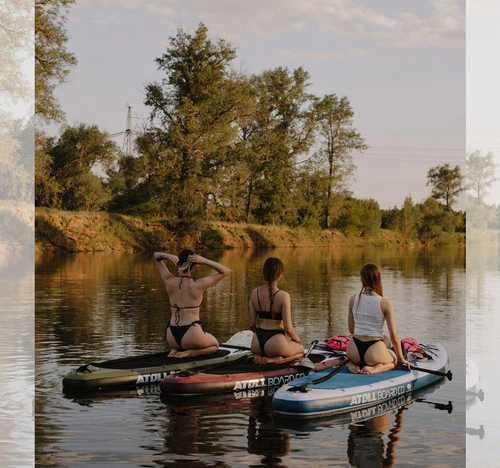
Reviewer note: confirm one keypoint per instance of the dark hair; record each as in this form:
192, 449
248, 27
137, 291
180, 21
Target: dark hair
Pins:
183, 256
370, 278
273, 268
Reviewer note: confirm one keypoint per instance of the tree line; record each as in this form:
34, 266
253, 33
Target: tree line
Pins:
220, 145
481, 176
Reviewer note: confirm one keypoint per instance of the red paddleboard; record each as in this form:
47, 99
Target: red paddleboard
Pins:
243, 376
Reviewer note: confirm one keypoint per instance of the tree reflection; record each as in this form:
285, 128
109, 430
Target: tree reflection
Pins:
264, 438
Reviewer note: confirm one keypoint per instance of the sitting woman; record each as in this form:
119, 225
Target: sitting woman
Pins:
271, 317
185, 334
368, 311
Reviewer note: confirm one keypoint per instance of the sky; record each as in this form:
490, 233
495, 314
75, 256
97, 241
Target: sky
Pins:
401, 64
483, 78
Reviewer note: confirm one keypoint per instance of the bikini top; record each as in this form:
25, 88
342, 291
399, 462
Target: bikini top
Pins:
268, 314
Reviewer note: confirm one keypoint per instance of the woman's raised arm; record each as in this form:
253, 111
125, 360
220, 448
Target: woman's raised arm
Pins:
165, 273
221, 271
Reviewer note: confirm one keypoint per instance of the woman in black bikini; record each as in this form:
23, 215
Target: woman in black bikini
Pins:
271, 317
368, 311
185, 334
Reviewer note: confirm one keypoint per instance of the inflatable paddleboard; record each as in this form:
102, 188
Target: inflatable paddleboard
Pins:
346, 392
138, 371
244, 377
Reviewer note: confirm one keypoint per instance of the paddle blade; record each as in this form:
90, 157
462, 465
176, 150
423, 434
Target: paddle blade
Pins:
306, 363
311, 347
242, 338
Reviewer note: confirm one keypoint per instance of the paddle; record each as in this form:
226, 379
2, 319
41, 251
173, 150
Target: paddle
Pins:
479, 432
240, 340
305, 362
448, 374
440, 406
479, 394
305, 387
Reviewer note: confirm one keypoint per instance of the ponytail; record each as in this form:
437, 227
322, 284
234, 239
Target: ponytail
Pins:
273, 268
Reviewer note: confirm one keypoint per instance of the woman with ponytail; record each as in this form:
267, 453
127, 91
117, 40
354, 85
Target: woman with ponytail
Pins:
271, 316
368, 312
185, 334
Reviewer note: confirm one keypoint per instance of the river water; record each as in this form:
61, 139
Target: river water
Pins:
483, 341
16, 362
95, 307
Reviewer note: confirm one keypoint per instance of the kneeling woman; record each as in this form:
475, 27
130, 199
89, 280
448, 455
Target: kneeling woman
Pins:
368, 311
185, 334
271, 316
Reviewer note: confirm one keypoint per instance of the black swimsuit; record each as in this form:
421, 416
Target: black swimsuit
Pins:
363, 347
178, 331
264, 334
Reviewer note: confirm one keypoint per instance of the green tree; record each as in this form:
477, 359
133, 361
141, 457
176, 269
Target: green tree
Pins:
47, 188
480, 173
52, 59
358, 217
194, 110
66, 175
282, 129
408, 219
389, 219
434, 220
404, 220
446, 183
15, 179
338, 141
309, 193
16, 23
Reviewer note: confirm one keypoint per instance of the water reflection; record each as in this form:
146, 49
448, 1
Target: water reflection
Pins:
93, 307
16, 365
366, 445
483, 341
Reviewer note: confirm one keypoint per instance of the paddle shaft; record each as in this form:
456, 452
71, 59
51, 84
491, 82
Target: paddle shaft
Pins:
311, 347
302, 362
331, 374
447, 375
440, 406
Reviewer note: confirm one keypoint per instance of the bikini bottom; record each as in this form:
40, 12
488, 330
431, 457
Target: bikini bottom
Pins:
363, 347
264, 335
178, 332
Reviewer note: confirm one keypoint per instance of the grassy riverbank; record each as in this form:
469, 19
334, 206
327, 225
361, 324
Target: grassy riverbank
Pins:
81, 231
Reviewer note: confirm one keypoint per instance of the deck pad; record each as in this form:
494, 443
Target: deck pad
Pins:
249, 365
153, 360
346, 379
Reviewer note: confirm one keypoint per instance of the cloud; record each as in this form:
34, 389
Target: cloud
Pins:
440, 26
